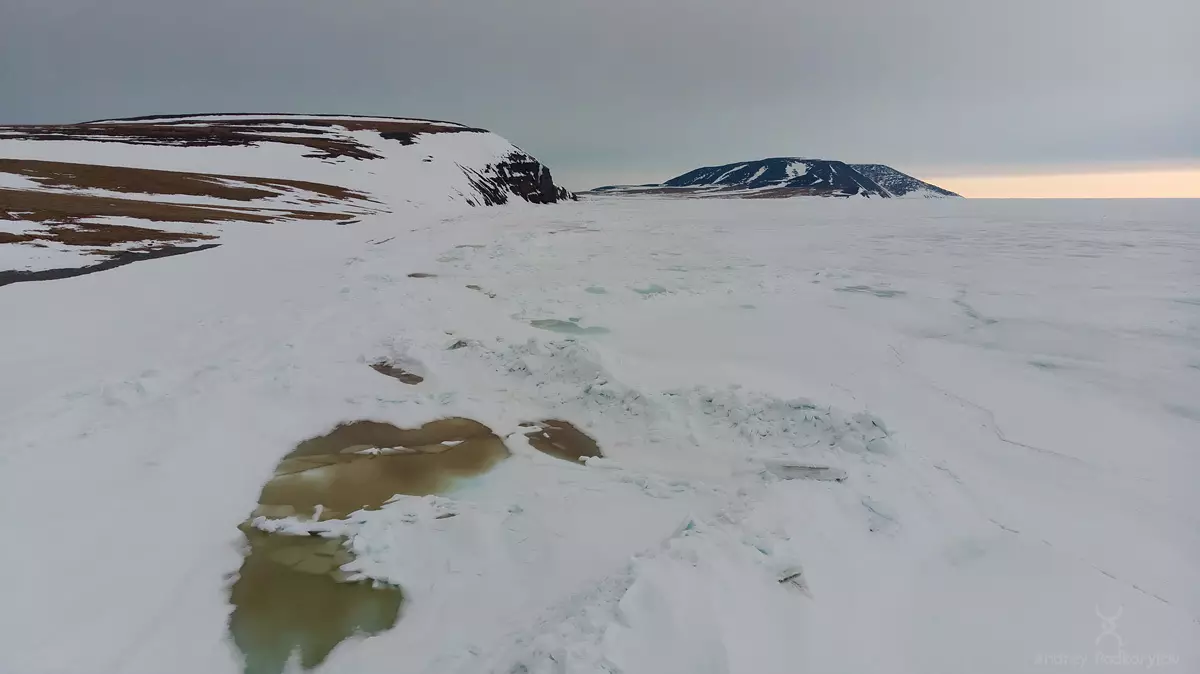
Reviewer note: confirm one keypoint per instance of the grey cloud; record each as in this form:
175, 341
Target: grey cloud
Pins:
625, 90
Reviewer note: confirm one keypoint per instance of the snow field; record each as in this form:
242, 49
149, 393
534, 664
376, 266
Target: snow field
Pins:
1008, 389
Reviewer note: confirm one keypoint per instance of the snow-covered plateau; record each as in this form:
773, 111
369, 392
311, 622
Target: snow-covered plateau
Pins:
870, 436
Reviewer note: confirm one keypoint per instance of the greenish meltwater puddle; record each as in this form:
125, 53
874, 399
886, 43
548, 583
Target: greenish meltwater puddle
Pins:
567, 327
652, 289
291, 601
877, 292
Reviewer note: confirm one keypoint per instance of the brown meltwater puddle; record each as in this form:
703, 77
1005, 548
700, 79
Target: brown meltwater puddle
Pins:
290, 604
385, 368
364, 463
562, 440
291, 600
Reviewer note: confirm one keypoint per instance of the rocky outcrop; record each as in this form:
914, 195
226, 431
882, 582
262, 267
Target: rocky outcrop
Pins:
520, 175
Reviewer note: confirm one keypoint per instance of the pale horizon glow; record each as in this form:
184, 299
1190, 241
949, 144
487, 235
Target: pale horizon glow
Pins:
628, 91
1176, 183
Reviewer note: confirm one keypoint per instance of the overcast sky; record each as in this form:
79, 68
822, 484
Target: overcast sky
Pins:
636, 90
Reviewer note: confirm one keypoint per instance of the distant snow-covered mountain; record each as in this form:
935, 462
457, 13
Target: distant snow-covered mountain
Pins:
787, 174
900, 184
788, 177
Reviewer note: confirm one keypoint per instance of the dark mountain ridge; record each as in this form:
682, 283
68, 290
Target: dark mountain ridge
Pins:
777, 177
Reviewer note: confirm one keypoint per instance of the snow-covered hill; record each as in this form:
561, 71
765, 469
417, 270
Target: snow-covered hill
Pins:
785, 177
899, 184
89, 196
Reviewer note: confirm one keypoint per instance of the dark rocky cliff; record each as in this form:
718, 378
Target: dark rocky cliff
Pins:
520, 175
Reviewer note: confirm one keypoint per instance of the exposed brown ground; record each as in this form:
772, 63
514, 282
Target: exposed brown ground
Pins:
65, 215
252, 119
89, 234
65, 208
562, 440
165, 134
378, 125
395, 372
63, 175
324, 142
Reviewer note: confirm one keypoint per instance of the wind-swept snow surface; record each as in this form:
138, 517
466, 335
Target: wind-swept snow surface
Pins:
946, 436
